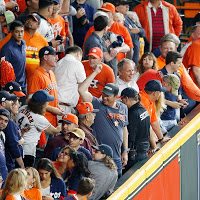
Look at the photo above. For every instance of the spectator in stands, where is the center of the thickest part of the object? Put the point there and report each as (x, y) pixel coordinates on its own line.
(104, 171)
(126, 70)
(52, 186)
(151, 14)
(32, 6)
(111, 120)
(32, 116)
(69, 72)
(147, 61)
(4, 119)
(12, 152)
(69, 122)
(84, 190)
(105, 76)
(82, 21)
(135, 31)
(138, 127)
(95, 39)
(15, 185)
(14, 52)
(33, 186)
(43, 78)
(77, 168)
(119, 17)
(86, 115)
(149, 95)
(61, 163)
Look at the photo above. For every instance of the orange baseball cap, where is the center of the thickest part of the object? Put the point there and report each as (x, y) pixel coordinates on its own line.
(96, 52)
(86, 107)
(69, 118)
(108, 7)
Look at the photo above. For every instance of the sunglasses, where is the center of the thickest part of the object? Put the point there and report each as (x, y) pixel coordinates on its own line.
(65, 153)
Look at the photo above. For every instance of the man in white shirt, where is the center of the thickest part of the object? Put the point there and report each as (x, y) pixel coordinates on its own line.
(126, 70)
(69, 72)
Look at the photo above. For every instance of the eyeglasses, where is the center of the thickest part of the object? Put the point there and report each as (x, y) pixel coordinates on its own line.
(65, 153)
(73, 137)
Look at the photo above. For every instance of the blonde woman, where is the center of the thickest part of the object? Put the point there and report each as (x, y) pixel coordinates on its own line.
(15, 185)
(33, 186)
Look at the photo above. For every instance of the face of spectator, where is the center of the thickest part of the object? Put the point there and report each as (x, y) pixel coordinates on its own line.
(31, 24)
(3, 122)
(74, 141)
(70, 164)
(166, 47)
(51, 60)
(15, 107)
(56, 7)
(147, 63)
(196, 34)
(67, 127)
(93, 61)
(90, 118)
(168, 86)
(97, 155)
(122, 9)
(156, 95)
(177, 64)
(127, 73)
(119, 19)
(108, 100)
(7, 105)
(44, 174)
(3, 21)
(30, 179)
(33, 4)
(64, 156)
(18, 34)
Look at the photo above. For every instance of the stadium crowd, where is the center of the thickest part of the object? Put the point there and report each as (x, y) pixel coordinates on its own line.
(88, 89)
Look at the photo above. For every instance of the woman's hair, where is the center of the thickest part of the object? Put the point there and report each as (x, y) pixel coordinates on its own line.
(15, 182)
(81, 164)
(35, 107)
(108, 162)
(46, 164)
(36, 176)
(140, 67)
(160, 105)
(71, 150)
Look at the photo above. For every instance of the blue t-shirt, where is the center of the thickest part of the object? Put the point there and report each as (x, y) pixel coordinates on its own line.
(3, 168)
(170, 113)
(109, 125)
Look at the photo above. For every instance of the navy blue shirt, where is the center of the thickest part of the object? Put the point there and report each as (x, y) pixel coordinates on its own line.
(169, 113)
(16, 55)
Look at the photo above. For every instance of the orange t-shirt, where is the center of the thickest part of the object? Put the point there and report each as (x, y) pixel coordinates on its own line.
(187, 83)
(33, 194)
(118, 29)
(148, 105)
(45, 81)
(105, 76)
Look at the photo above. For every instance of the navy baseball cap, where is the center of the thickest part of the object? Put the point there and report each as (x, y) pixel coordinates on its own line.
(35, 16)
(42, 96)
(105, 149)
(111, 89)
(57, 1)
(15, 88)
(5, 113)
(155, 85)
(47, 50)
(129, 92)
(4, 95)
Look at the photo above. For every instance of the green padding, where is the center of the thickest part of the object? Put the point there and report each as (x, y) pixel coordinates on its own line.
(189, 169)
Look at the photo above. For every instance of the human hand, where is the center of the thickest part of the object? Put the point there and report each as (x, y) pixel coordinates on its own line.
(165, 139)
(114, 52)
(175, 104)
(98, 68)
(124, 159)
(57, 111)
(184, 103)
(80, 13)
(12, 5)
(135, 30)
(55, 43)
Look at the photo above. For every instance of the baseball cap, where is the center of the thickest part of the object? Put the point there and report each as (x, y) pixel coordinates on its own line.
(96, 52)
(129, 92)
(79, 133)
(111, 89)
(5, 113)
(47, 50)
(57, 1)
(108, 7)
(175, 83)
(9, 15)
(196, 18)
(15, 88)
(69, 118)
(122, 2)
(86, 107)
(105, 149)
(35, 16)
(155, 85)
(4, 95)
(99, 13)
(41, 96)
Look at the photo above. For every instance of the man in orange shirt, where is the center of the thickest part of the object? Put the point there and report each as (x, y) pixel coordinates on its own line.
(44, 78)
(105, 76)
(116, 28)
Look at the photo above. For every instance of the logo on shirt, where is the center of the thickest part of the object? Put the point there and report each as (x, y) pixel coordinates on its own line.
(55, 195)
(144, 115)
(116, 123)
(94, 83)
(116, 116)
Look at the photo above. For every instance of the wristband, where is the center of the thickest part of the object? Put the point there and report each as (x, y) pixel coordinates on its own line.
(159, 140)
(125, 149)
